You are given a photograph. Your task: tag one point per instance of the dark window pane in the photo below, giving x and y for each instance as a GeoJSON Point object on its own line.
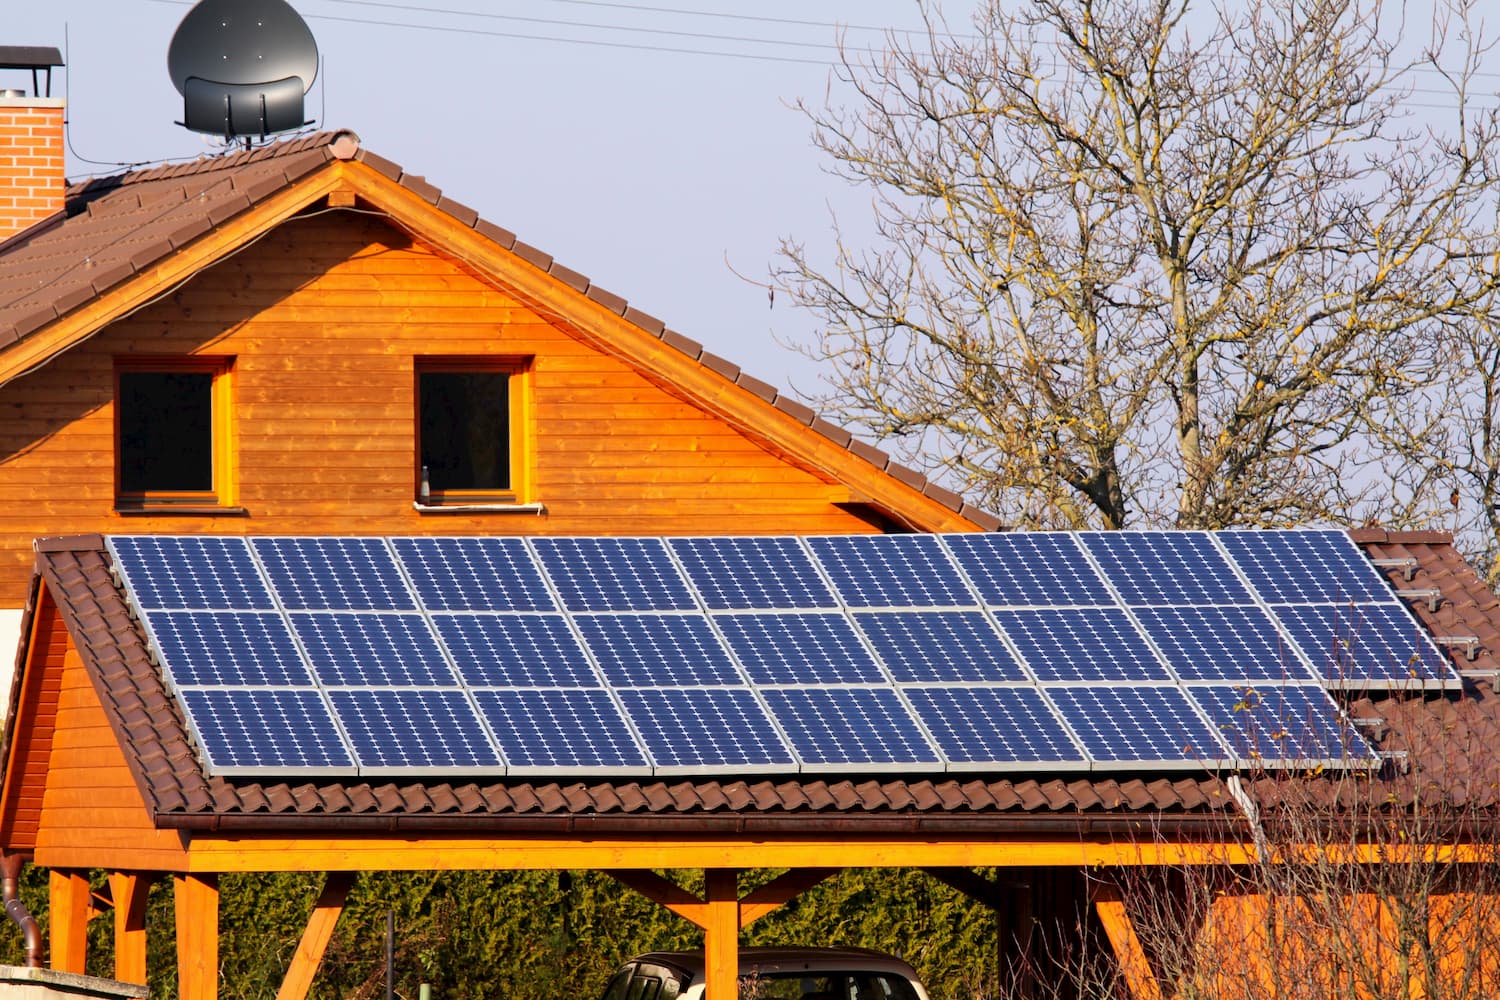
{"type": "Point", "coordinates": [465, 430]}
{"type": "Point", "coordinates": [166, 432]}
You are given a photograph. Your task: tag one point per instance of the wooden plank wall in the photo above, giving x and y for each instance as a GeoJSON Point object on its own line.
{"type": "Point", "coordinates": [323, 318]}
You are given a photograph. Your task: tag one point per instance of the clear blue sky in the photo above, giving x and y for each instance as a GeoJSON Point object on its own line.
{"type": "Point", "coordinates": [651, 171]}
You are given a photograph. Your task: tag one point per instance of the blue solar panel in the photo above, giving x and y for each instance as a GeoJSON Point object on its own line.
{"type": "Point", "coordinates": [515, 651]}
{"type": "Point", "coordinates": [227, 648]}
{"type": "Point", "coordinates": [752, 573]}
{"type": "Point", "coordinates": [888, 571]}
{"type": "Point", "coordinates": [351, 650]}
{"type": "Point", "coordinates": [333, 574]}
{"type": "Point", "coordinates": [1229, 643]}
{"type": "Point", "coordinates": [266, 730]}
{"type": "Point", "coordinates": [613, 574]}
{"type": "Point", "coordinates": [657, 651]}
{"type": "Point", "coordinates": [706, 729]}
{"type": "Point", "coordinates": [1361, 644]}
{"type": "Point", "coordinates": [1148, 725]}
{"type": "Point", "coordinates": [1297, 567]}
{"type": "Point", "coordinates": [1081, 644]}
{"type": "Point", "coordinates": [843, 726]}
{"type": "Point", "coordinates": [560, 730]}
{"type": "Point", "coordinates": [1165, 567]}
{"type": "Point", "coordinates": [799, 649]}
{"type": "Point", "coordinates": [935, 646]}
{"type": "Point", "coordinates": [1282, 722]}
{"type": "Point", "coordinates": [474, 574]}
{"type": "Point", "coordinates": [1029, 569]}
{"type": "Point", "coordinates": [190, 573]}
{"type": "Point", "coordinates": [981, 725]}
{"type": "Point", "coordinates": [414, 728]}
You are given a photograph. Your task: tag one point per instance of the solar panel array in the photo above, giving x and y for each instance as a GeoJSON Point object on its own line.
{"type": "Point", "coordinates": [850, 654]}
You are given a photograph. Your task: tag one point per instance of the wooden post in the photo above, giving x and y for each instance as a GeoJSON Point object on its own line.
{"type": "Point", "coordinates": [1135, 968]}
{"type": "Point", "coordinates": [197, 904]}
{"type": "Point", "coordinates": [130, 891]}
{"type": "Point", "coordinates": [68, 906]}
{"type": "Point", "coordinates": [721, 934]}
{"type": "Point", "coordinates": [315, 937]}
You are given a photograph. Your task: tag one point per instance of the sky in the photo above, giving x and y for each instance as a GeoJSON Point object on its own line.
{"type": "Point", "coordinates": [650, 145]}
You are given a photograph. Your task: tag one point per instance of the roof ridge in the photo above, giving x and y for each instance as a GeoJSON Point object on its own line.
{"type": "Point", "coordinates": [214, 162]}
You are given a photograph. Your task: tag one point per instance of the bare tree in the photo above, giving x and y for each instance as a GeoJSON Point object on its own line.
{"type": "Point", "coordinates": [1140, 263]}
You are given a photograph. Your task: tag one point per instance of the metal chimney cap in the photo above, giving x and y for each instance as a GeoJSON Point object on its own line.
{"type": "Point", "coordinates": [29, 57]}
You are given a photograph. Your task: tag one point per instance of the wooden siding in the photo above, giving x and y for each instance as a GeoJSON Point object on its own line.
{"type": "Point", "coordinates": [32, 728]}
{"type": "Point", "coordinates": [324, 318]}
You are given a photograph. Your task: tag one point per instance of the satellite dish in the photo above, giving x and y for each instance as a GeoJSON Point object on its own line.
{"type": "Point", "coordinates": [242, 67]}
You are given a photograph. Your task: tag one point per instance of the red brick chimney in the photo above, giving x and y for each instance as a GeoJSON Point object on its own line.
{"type": "Point", "coordinates": [32, 184]}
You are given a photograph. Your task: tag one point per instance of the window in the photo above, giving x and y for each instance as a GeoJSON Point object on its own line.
{"type": "Point", "coordinates": [171, 432]}
{"type": "Point", "coordinates": [468, 439]}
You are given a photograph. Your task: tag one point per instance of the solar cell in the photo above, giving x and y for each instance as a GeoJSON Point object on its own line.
{"type": "Point", "coordinates": [267, 731]}
{"type": "Point", "coordinates": [1228, 643]}
{"type": "Point", "coordinates": [1137, 724]}
{"type": "Point", "coordinates": [190, 573]}
{"type": "Point", "coordinates": [1364, 644]}
{"type": "Point", "coordinates": [657, 651]}
{"type": "Point", "coordinates": [413, 728]}
{"type": "Point", "coordinates": [473, 574]}
{"type": "Point", "coordinates": [935, 646]}
{"type": "Point", "coordinates": [1081, 644]}
{"type": "Point", "coordinates": [515, 650]}
{"type": "Point", "coordinates": [227, 648]}
{"type": "Point", "coordinates": [348, 649]}
{"type": "Point", "coordinates": [333, 574]}
{"type": "Point", "coordinates": [752, 573]}
{"type": "Point", "coordinates": [1297, 567]}
{"type": "Point", "coordinates": [993, 725]}
{"type": "Point", "coordinates": [1028, 569]}
{"type": "Point", "coordinates": [706, 729]}
{"type": "Point", "coordinates": [1283, 723]}
{"type": "Point", "coordinates": [805, 648]}
{"type": "Point", "coordinates": [578, 731]}
{"type": "Point", "coordinates": [1165, 567]}
{"type": "Point", "coordinates": [843, 726]}
{"type": "Point", "coordinates": [613, 574]}
{"type": "Point", "coordinates": [883, 571]}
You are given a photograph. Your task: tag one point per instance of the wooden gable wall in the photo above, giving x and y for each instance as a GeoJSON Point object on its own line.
{"type": "Point", "coordinates": [323, 318]}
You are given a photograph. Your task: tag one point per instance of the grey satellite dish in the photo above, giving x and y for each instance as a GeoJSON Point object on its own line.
{"type": "Point", "coordinates": [242, 67]}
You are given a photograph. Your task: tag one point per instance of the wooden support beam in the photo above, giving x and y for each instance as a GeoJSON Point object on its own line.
{"type": "Point", "coordinates": [721, 934]}
{"type": "Point", "coordinates": [1135, 967]}
{"type": "Point", "coordinates": [662, 891]}
{"type": "Point", "coordinates": [197, 904]}
{"type": "Point", "coordinates": [315, 936]}
{"type": "Point", "coordinates": [988, 892]}
{"type": "Point", "coordinates": [130, 890]}
{"type": "Point", "coordinates": [68, 905]}
{"type": "Point", "coordinates": [782, 889]}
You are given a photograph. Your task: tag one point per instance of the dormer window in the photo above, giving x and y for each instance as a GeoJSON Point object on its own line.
{"type": "Point", "coordinates": [468, 430]}
{"type": "Point", "coordinates": [171, 432]}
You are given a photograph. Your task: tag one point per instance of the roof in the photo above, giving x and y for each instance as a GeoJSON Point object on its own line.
{"type": "Point", "coordinates": [1439, 748]}
{"type": "Point", "coordinates": [115, 230]}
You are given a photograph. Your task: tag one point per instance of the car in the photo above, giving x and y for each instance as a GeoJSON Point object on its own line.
{"type": "Point", "coordinates": [772, 974]}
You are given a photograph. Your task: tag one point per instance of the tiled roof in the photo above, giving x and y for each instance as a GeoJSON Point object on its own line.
{"type": "Point", "coordinates": [1442, 751]}
{"type": "Point", "coordinates": [115, 228]}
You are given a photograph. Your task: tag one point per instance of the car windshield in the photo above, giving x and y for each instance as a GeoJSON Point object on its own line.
{"type": "Point", "coordinates": [826, 986]}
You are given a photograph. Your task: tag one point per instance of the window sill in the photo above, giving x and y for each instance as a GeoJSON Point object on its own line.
{"type": "Point", "coordinates": [180, 510]}
{"type": "Point", "coordinates": [479, 508]}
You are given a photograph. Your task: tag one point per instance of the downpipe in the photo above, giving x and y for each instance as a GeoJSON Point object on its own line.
{"type": "Point", "coordinates": [10, 891]}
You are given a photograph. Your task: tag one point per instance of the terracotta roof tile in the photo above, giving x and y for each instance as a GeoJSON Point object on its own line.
{"type": "Point", "coordinates": [686, 345]}
{"type": "Point", "coordinates": [608, 300]}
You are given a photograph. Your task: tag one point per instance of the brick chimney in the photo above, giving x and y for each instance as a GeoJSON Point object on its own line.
{"type": "Point", "coordinates": [32, 183]}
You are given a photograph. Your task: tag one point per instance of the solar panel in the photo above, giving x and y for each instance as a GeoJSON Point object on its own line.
{"type": "Point", "coordinates": [515, 650]}
{"type": "Point", "coordinates": [1362, 645]}
{"type": "Point", "coordinates": [1165, 567]}
{"type": "Point", "coordinates": [1157, 726]}
{"type": "Point", "coordinates": [613, 574]}
{"type": "Point", "coordinates": [1081, 644]}
{"type": "Point", "coordinates": [350, 649]}
{"type": "Point", "coordinates": [982, 726]}
{"type": "Point", "coordinates": [1299, 567]}
{"type": "Point", "coordinates": [799, 649]}
{"type": "Point", "coordinates": [1028, 569]}
{"type": "Point", "coordinates": [333, 574]}
{"type": "Point", "coordinates": [227, 648]}
{"type": "Point", "coordinates": [752, 573]}
{"type": "Point", "coordinates": [190, 573]}
{"type": "Point", "coordinates": [1283, 724]}
{"type": "Point", "coordinates": [276, 730]}
{"type": "Point", "coordinates": [657, 650]}
{"type": "Point", "coordinates": [936, 646]}
{"type": "Point", "coordinates": [888, 571]}
{"type": "Point", "coordinates": [406, 729]}
{"type": "Point", "coordinates": [1228, 643]}
{"type": "Point", "coordinates": [578, 732]}
{"type": "Point", "coordinates": [473, 574]}
{"type": "Point", "coordinates": [706, 730]}
{"type": "Point", "coordinates": [846, 726]}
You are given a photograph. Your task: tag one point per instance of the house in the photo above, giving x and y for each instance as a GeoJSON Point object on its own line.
{"type": "Point", "coordinates": [364, 358]}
